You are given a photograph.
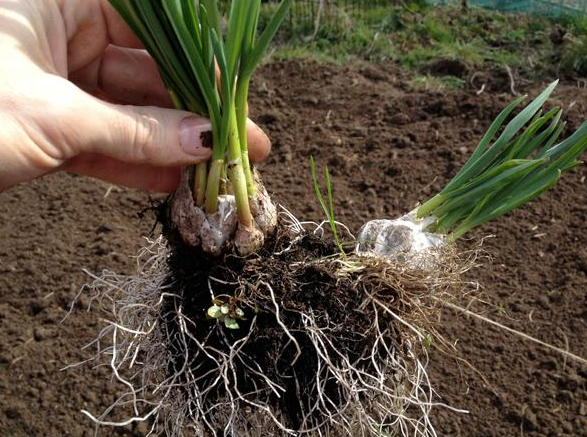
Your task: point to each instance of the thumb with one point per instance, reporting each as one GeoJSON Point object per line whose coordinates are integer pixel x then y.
{"type": "Point", "coordinates": [142, 134]}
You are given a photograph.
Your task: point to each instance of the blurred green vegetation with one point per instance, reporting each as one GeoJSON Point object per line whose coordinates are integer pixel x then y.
{"type": "Point", "coordinates": [415, 35]}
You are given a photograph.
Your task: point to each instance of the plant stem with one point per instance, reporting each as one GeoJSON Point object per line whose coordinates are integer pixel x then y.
{"type": "Point", "coordinates": [430, 205]}
{"type": "Point", "coordinates": [236, 172]}
{"type": "Point", "coordinates": [242, 94]}
{"type": "Point", "coordinates": [223, 181]}
{"type": "Point", "coordinates": [213, 185]}
{"type": "Point", "coordinates": [214, 174]}
{"type": "Point", "coordinates": [200, 183]}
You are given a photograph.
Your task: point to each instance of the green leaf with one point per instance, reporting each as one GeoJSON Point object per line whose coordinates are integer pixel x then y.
{"type": "Point", "coordinates": [194, 56]}
{"type": "Point", "coordinates": [484, 143]}
{"type": "Point", "coordinates": [185, 39]}
{"type": "Point", "coordinates": [548, 133]}
{"type": "Point", "coordinates": [226, 85]}
{"type": "Point", "coordinates": [231, 323]}
{"type": "Point", "coordinates": [263, 42]}
{"type": "Point", "coordinates": [503, 176]}
{"type": "Point", "coordinates": [251, 28]}
{"type": "Point", "coordinates": [213, 14]}
{"type": "Point", "coordinates": [317, 189]}
{"type": "Point", "coordinates": [496, 183]}
{"type": "Point", "coordinates": [327, 209]}
{"type": "Point", "coordinates": [508, 133]}
{"type": "Point", "coordinates": [191, 22]}
{"type": "Point", "coordinates": [214, 312]}
{"type": "Point", "coordinates": [234, 37]}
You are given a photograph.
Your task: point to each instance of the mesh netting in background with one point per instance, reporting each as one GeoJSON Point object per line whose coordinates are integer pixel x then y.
{"type": "Point", "coordinates": [304, 13]}
{"type": "Point", "coordinates": [548, 7]}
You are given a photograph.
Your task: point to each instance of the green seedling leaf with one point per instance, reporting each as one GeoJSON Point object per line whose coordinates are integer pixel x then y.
{"type": "Point", "coordinates": [427, 342]}
{"type": "Point", "coordinates": [231, 323]}
{"type": "Point", "coordinates": [327, 209]}
{"type": "Point", "coordinates": [214, 312]}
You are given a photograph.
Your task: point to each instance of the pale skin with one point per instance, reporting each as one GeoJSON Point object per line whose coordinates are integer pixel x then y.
{"type": "Point", "coordinates": [78, 93]}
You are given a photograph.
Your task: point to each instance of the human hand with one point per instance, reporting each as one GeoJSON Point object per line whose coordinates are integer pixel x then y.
{"type": "Point", "coordinates": [77, 93]}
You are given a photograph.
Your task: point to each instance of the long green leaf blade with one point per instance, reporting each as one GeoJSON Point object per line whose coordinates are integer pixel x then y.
{"type": "Point", "coordinates": [263, 42]}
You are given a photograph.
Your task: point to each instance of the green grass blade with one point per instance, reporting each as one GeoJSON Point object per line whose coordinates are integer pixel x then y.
{"type": "Point", "coordinates": [539, 140]}
{"type": "Point", "coordinates": [207, 47]}
{"type": "Point", "coordinates": [155, 39]}
{"type": "Point", "coordinates": [512, 163]}
{"type": "Point", "coordinates": [234, 37]}
{"type": "Point", "coordinates": [173, 10]}
{"type": "Point", "coordinates": [504, 176]}
{"type": "Point", "coordinates": [331, 205]}
{"type": "Point", "coordinates": [484, 143]}
{"type": "Point", "coordinates": [523, 196]}
{"type": "Point", "coordinates": [317, 189]}
{"type": "Point", "coordinates": [528, 135]}
{"type": "Point", "coordinates": [554, 137]}
{"type": "Point", "coordinates": [213, 14]}
{"type": "Point", "coordinates": [258, 52]}
{"type": "Point", "coordinates": [447, 221]}
{"type": "Point", "coordinates": [327, 209]}
{"type": "Point", "coordinates": [511, 129]}
{"type": "Point", "coordinates": [191, 22]}
{"type": "Point", "coordinates": [465, 216]}
{"type": "Point", "coordinates": [225, 84]}
{"type": "Point", "coordinates": [569, 156]}
{"type": "Point", "coordinates": [251, 28]}
{"type": "Point", "coordinates": [496, 183]}
{"type": "Point", "coordinates": [561, 148]}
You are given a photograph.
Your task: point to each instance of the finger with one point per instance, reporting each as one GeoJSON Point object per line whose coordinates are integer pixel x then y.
{"type": "Point", "coordinates": [258, 141]}
{"type": "Point", "coordinates": [118, 31]}
{"type": "Point", "coordinates": [156, 179]}
{"type": "Point", "coordinates": [131, 76]}
{"type": "Point", "coordinates": [133, 134]}
{"type": "Point", "coordinates": [161, 136]}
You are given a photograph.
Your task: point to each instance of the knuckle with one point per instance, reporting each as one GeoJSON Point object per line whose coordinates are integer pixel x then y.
{"type": "Point", "coordinates": [146, 137]}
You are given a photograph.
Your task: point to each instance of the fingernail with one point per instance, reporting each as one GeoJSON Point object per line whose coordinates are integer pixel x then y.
{"type": "Point", "coordinates": [192, 134]}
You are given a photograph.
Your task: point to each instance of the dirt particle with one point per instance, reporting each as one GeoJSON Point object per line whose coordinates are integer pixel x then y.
{"type": "Point", "coordinates": [207, 141]}
{"type": "Point", "coordinates": [41, 333]}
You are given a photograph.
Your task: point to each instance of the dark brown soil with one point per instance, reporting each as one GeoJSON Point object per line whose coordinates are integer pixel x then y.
{"type": "Point", "coordinates": [300, 284]}
{"type": "Point", "coordinates": [387, 148]}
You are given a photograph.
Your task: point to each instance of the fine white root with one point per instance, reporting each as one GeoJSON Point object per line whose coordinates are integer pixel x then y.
{"type": "Point", "coordinates": [156, 353]}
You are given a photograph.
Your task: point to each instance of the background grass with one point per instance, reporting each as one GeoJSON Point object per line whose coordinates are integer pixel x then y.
{"type": "Point", "coordinates": [415, 35]}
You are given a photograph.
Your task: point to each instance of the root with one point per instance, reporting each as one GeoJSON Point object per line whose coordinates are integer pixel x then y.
{"type": "Point", "coordinates": [344, 354]}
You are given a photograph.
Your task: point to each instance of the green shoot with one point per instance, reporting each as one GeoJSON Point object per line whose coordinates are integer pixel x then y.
{"type": "Point", "coordinates": [186, 40]}
{"type": "Point", "coordinates": [518, 166]}
{"type": "Point", "coordinates": [328, 209]}
{"type": "Point", "coordinates": [427, 341]}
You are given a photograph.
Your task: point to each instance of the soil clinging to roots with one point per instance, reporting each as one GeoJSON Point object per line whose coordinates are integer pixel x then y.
{"type": "Point", "coordinates": [326, 344]}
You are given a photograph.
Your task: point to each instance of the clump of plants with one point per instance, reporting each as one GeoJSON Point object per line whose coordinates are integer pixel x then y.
{"type": "Point", "coordinates": [221, 203]}
{"type": "Point", "coordinates": [239, 324]}
{"type": "Point", "coordinates": [502, 174]}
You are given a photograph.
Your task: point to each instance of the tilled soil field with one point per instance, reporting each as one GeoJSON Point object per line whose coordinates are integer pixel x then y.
{"type": "Point", "coordinates": [387, 147]}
